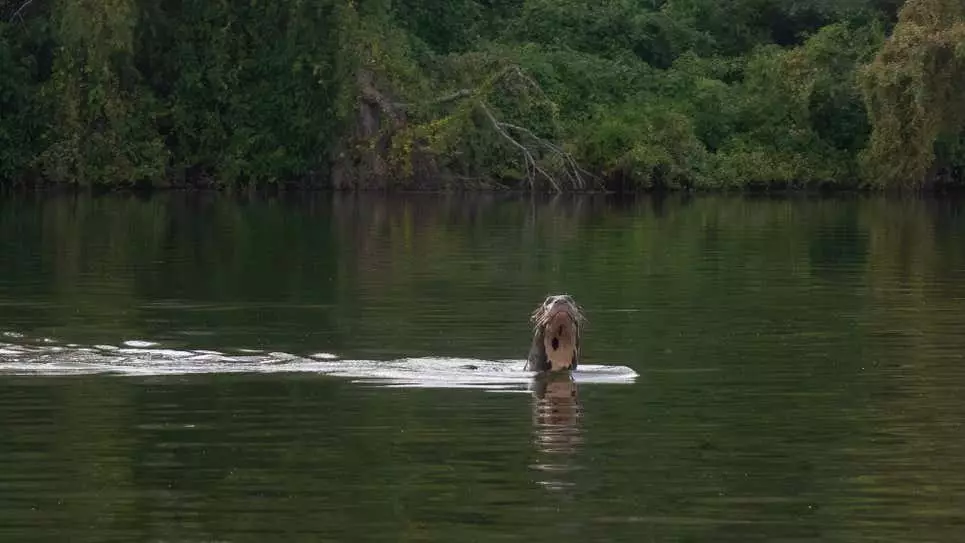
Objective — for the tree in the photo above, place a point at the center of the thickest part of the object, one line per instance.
(914, 92)
(105, 131)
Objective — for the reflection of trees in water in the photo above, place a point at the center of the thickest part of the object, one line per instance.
(556, 427)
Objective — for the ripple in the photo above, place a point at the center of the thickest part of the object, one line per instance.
(142, 358)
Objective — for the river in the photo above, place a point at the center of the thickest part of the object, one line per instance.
(205, 367)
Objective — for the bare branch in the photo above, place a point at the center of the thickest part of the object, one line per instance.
(19, 11)
(532, 167)
(574, 172)
(532, 147)
(451, 97)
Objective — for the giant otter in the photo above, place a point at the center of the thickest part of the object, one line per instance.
(557, 323)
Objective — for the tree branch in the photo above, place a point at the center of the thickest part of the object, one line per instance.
(532, 167)
(530, 148)
(451, 97)
(574, 172)
(19, 11)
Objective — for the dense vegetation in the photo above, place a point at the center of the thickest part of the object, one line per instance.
(627, 94)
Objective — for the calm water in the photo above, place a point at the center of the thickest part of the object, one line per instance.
(204, 368)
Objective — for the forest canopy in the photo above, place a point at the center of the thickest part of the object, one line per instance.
(541, 94)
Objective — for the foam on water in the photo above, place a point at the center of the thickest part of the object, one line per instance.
(145, 358)
(138, 343)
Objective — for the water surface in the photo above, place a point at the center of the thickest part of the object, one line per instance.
(203, 367)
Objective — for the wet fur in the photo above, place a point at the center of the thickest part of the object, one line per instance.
(542, 317)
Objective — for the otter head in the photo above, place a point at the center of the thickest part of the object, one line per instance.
(557, 324)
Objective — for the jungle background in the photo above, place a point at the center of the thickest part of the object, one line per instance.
(533, 94)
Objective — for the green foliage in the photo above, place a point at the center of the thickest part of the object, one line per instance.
(21, 117)
(445, 26)
(950, 158)
(614, 29)
(738, 26)
(657, 94)
(106, 130)
(645, 147)
(914, 92)
(247, 87)
(798, 120)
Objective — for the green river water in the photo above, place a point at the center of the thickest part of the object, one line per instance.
(318, 367)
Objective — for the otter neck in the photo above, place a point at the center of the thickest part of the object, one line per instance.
(560, 342)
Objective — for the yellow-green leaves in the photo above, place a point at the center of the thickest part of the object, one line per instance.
(915, 92)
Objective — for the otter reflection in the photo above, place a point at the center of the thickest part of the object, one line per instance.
(556, 427)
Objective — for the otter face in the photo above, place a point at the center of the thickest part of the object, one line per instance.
(556, 324)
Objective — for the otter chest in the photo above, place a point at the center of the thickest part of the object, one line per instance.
(560, 342)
